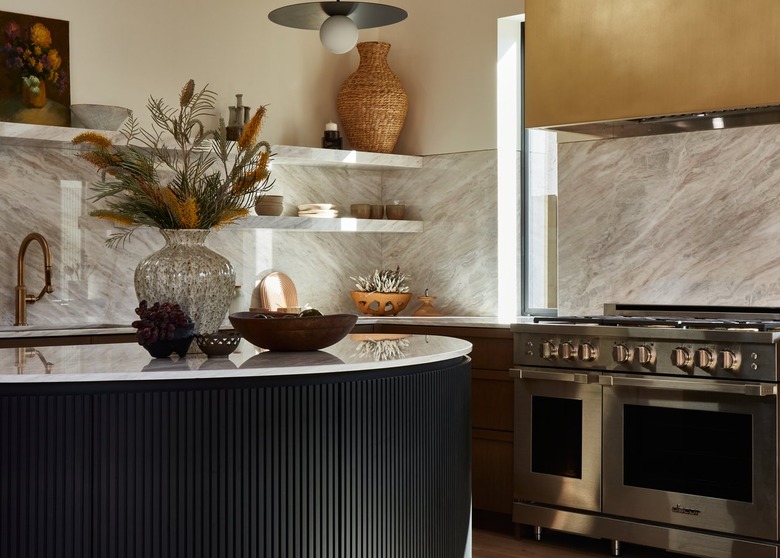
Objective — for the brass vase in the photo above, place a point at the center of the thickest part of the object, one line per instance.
(372, 102)
(34, 98)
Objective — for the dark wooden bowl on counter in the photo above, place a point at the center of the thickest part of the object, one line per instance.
(277, 331)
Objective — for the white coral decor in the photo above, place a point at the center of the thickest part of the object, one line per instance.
(383, 281)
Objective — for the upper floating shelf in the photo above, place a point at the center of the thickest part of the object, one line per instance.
(13, 133)
(314, 156)
(314, 224)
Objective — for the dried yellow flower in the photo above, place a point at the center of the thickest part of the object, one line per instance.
(186, 93)
(93, 138)
(188, 214)
(100, 159)
(252, 129)
(118, 218)
(231, 215)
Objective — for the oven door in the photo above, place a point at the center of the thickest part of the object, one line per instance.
(695, 453)
(557, 438)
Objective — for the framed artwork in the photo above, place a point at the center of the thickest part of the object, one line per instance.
(34, 70)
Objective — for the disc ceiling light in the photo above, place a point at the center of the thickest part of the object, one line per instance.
(337, 21)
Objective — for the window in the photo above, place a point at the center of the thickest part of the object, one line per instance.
(527, 191)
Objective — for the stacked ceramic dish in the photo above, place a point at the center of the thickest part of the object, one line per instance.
(326, 210)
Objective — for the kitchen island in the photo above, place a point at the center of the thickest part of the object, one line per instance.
(362, 449)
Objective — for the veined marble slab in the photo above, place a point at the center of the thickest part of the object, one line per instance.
(302, 156)
(341, 224)
(129, 362)
(14, 133)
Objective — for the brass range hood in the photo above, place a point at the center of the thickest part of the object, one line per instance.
(673, 124)
(619, 68)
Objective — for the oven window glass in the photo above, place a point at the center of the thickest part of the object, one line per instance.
(705, 453)
(556, 436)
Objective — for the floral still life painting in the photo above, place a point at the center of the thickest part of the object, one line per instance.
(34, 70)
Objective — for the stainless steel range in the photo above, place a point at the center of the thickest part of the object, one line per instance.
(656, 425)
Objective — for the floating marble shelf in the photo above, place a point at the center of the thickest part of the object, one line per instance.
(315, 224)
(13, 133)
(34, 135)
(313, 156)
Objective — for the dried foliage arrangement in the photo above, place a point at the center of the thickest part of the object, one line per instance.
(383, 281)
(203, 181)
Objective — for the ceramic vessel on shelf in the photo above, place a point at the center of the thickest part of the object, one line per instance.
(360, 210)
(395, 211)
(270, 205)
(380, 304)
(98, 117)
(426, 309)
(188, 273)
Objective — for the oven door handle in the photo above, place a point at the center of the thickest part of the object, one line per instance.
(571, 377)
(753, 390)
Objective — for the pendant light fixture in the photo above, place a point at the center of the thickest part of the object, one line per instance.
(337, 21)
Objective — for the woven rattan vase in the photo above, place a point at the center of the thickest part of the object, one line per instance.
(372, 102)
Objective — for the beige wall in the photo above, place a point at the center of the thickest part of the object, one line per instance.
(444, 53)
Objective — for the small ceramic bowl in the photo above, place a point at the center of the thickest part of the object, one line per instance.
(270, 205)
(395, 211)
(98, 117)
(221, 343)
(360, 210)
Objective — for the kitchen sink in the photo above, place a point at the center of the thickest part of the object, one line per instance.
(61, 327)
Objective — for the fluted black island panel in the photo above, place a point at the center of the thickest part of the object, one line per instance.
(368, 462)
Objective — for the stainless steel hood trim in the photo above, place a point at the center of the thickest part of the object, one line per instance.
(672, 124)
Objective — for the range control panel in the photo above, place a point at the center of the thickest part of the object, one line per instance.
(647, 355)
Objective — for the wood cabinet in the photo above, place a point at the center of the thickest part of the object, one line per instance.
(492, 410)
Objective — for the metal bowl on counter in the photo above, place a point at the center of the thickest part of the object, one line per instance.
(277, 331)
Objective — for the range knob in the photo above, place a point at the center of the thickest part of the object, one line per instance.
(681, 357)
(728, 360)
(588, 352)
(704, 359)
(547, 350)
(621, 354)
(645, 355)
(567, 351)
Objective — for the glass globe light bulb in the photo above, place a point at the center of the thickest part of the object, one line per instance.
(338, 34)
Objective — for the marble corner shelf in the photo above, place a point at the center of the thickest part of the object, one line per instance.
(315, 224)
(14, 133)
(36, 135)
(314, 156)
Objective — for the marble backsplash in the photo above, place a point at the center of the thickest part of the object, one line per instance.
(46, 189)
(690, 218)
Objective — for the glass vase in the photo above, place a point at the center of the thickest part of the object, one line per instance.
(187, 273)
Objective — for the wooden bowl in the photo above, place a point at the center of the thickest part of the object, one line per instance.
(277, 331)
(380, 304)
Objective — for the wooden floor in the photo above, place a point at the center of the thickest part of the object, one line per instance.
(496, 544)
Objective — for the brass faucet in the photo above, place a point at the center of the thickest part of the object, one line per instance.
(23, 353)
(22, 298)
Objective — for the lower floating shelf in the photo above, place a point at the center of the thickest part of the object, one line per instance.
(316, 224)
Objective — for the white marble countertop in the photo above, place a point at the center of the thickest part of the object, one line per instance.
(67, 330)
(129, 361)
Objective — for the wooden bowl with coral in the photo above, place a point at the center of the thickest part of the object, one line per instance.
(380, 304)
